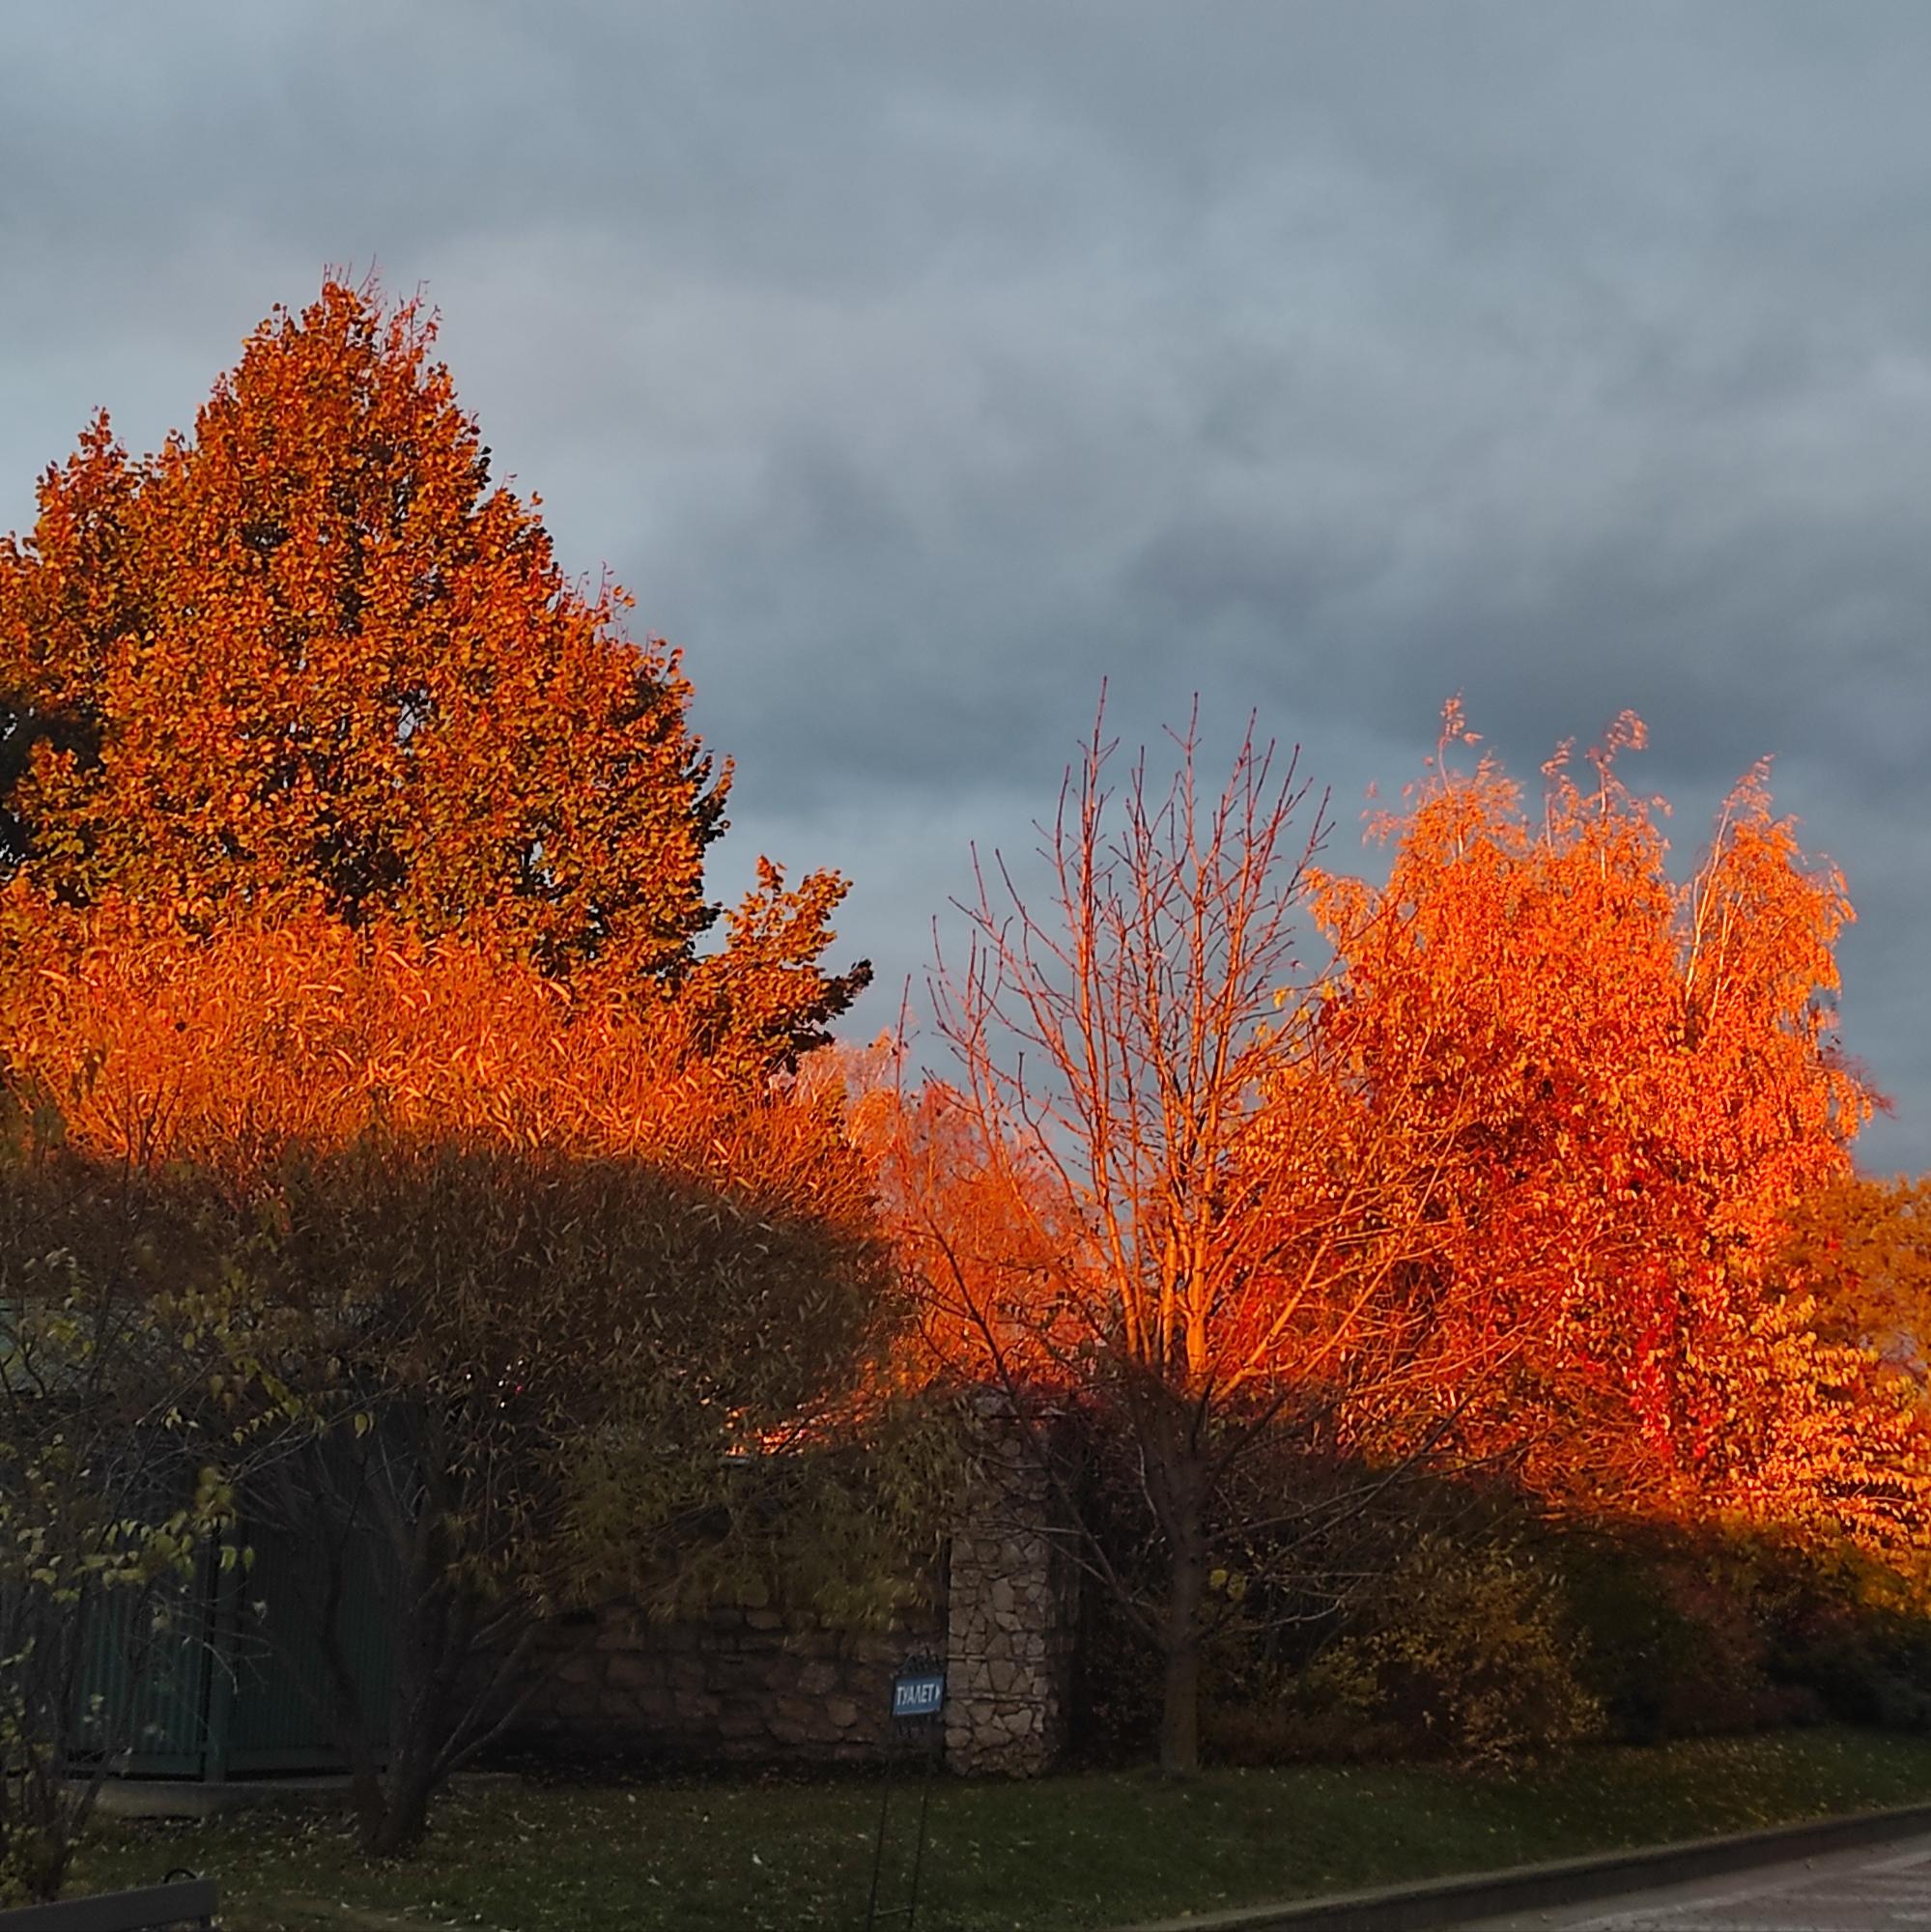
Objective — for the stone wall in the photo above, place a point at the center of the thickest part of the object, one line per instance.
(1013, 1608)
(744, 1685)
(752, 1685)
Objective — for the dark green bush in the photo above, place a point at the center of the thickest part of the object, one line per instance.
(1465, 1651)
(1675, 1643)
(1452, 1619)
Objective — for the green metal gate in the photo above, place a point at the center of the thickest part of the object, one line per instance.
(149, 1663)
(280, 1684)
(232, 1682)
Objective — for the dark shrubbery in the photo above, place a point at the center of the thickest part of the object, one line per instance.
(1465, 1651)
(1675, 1641)
(1455, 1622)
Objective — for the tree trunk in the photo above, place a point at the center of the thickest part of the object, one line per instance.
(1186, 1592)
(39, 1828)
(38, 1863)
(400, 1821)
(370, 1800)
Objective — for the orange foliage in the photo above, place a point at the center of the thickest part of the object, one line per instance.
(1648, 1077)
(311, 651)
(229, 1052)
(1513, 1179)
(987, 1242)
(1862, 1249)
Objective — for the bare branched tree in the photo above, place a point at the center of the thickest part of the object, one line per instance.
(1158, 1181)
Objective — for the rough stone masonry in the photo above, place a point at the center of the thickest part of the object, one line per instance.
(750, 1684)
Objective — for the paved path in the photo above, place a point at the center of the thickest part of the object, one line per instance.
(1879, 1888)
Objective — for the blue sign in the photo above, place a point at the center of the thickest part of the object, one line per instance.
(918, 1696)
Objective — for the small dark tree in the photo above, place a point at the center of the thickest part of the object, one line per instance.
(543, 1292)
(114, 1459)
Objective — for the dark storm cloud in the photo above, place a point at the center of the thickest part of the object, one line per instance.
(919, 366)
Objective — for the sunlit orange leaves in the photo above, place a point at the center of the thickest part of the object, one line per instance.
(1647, 1073)
(312, 652)
(450, 1103)
(228, 1050)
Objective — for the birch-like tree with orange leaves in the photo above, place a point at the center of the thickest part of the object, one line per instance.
(1648, 1069)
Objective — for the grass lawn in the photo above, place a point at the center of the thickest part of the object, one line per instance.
(1086, 1850)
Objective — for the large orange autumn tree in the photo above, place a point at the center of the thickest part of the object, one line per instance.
(1648, 1066)
(356, 884)
(313, 650)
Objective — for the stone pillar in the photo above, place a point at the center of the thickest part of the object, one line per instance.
(1011, 1609)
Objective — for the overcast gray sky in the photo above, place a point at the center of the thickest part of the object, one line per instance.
(916, 365)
